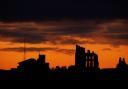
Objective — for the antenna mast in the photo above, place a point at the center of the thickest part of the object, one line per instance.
(24, 48)
(39, 52)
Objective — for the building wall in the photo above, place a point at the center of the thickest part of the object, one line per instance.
(84, 60)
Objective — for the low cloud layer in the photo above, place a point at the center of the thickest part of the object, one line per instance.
(113, 32)
(33, 49)
(106, 49)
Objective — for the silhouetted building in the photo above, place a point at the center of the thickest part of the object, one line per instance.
(86, 68)
(122, 64)
(80, 57)
(41, 63)
(41, 59)
(27, 65)
(91, 60)
(84, 60)
(34, 68)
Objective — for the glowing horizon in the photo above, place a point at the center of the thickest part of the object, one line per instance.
(57, 40)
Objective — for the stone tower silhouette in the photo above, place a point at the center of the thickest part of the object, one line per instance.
(84, 60)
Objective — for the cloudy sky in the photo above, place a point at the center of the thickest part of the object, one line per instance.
(55, 27)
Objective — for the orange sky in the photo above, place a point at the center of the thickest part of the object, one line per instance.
(108, 44)
(107, 58)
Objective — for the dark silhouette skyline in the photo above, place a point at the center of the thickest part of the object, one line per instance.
(86, 60)
(64, 22)
(86, 68)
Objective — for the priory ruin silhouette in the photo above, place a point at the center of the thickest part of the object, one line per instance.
(86, 68)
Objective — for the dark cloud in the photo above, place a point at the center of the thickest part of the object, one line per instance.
(66, 51)
(54, 34)
(116, 33)
(106, 49)
(41, 10)
(70, 40)
(30, 49)
(113, 32)
(117, 36)
(73, 30)
(33, 49)
(18, 35)
(120, 26)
